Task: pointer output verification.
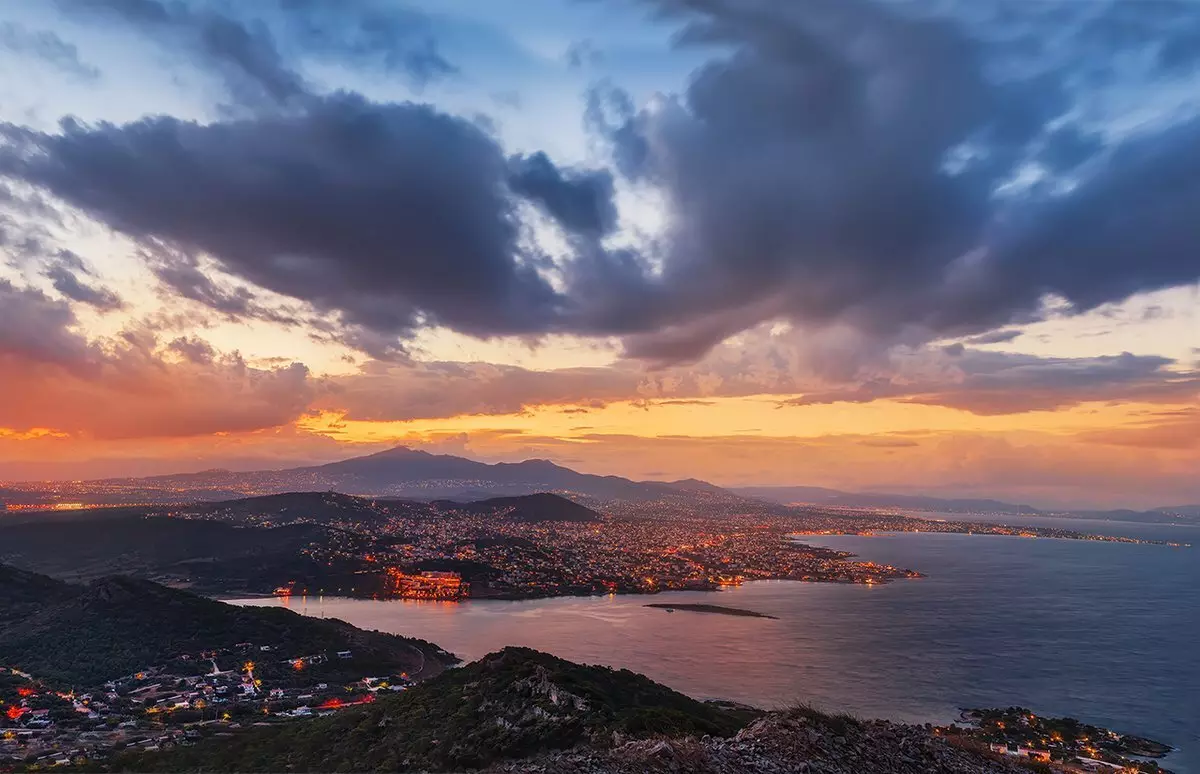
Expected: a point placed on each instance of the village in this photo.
(209, 693)
(1062, 743)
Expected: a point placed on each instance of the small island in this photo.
(719, 609)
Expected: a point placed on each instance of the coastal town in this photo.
(407, 550)
(541, 545)
(461, 553)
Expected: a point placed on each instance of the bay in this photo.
(1104, 632)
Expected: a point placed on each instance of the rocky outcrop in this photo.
(794, 742)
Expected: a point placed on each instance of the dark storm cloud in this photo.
(1130, 227)
(840, 164)
(580, 201)
(47, 46)
(256, 47)
(393, 216)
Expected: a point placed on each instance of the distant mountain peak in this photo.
(401, 451)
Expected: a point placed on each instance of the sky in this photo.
(920, 246)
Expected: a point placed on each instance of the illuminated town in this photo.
(415, 552)
(171, 704)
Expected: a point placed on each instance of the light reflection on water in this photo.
(1099, 631)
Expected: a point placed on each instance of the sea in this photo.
(1108, 633)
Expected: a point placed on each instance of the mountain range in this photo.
(398, 472)
(409, 473)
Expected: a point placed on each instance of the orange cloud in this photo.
(129, 387)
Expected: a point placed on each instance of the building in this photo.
(426, 585)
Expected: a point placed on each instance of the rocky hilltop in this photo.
(799, 741)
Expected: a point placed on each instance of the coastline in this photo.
(881, 575)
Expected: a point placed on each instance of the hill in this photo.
(115, 626)
(307, 540)
(510, 704)
(24, 593)
(418, 473)
(85, 548)
(539, 507)
(1178, 514)
(293, 507)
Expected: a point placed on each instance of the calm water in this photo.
(1104, 632)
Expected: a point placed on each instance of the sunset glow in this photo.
(688, 318)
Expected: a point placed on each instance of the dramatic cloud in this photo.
(46, 46)
(394, 216)
(837, 164)
(842, 164)
(54, 378)
(580, 201)
(979, 382)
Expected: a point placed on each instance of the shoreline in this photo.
(998, 530)
(797, 537)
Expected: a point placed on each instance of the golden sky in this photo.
(202, 264)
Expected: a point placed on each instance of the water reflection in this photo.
(1096, 630)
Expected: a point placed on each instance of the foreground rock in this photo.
(795, 742)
